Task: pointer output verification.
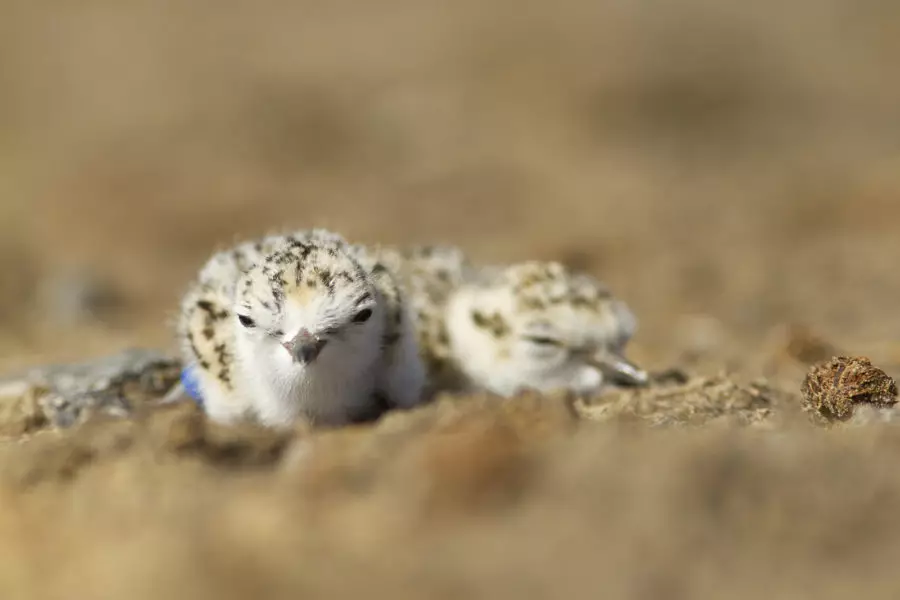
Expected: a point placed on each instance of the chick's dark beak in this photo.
(305, 347)
(620, 370)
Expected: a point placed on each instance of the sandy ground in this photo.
(731, 169)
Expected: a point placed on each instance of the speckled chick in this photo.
(296, 326)
(531, 325)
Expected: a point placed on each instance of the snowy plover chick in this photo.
(537, 325)
(534, 325)
(299, 326)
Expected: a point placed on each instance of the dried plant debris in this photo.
(65, 394)
(696, 402)
(833, 389)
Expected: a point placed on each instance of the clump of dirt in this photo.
(832, 390)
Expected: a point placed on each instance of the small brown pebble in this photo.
(833, 388)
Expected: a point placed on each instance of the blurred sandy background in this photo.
(730, 168)
(740, 160)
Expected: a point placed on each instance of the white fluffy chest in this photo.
(326, 394)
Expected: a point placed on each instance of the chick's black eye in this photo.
(543, 341)
(246, 321)
(362, 316)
